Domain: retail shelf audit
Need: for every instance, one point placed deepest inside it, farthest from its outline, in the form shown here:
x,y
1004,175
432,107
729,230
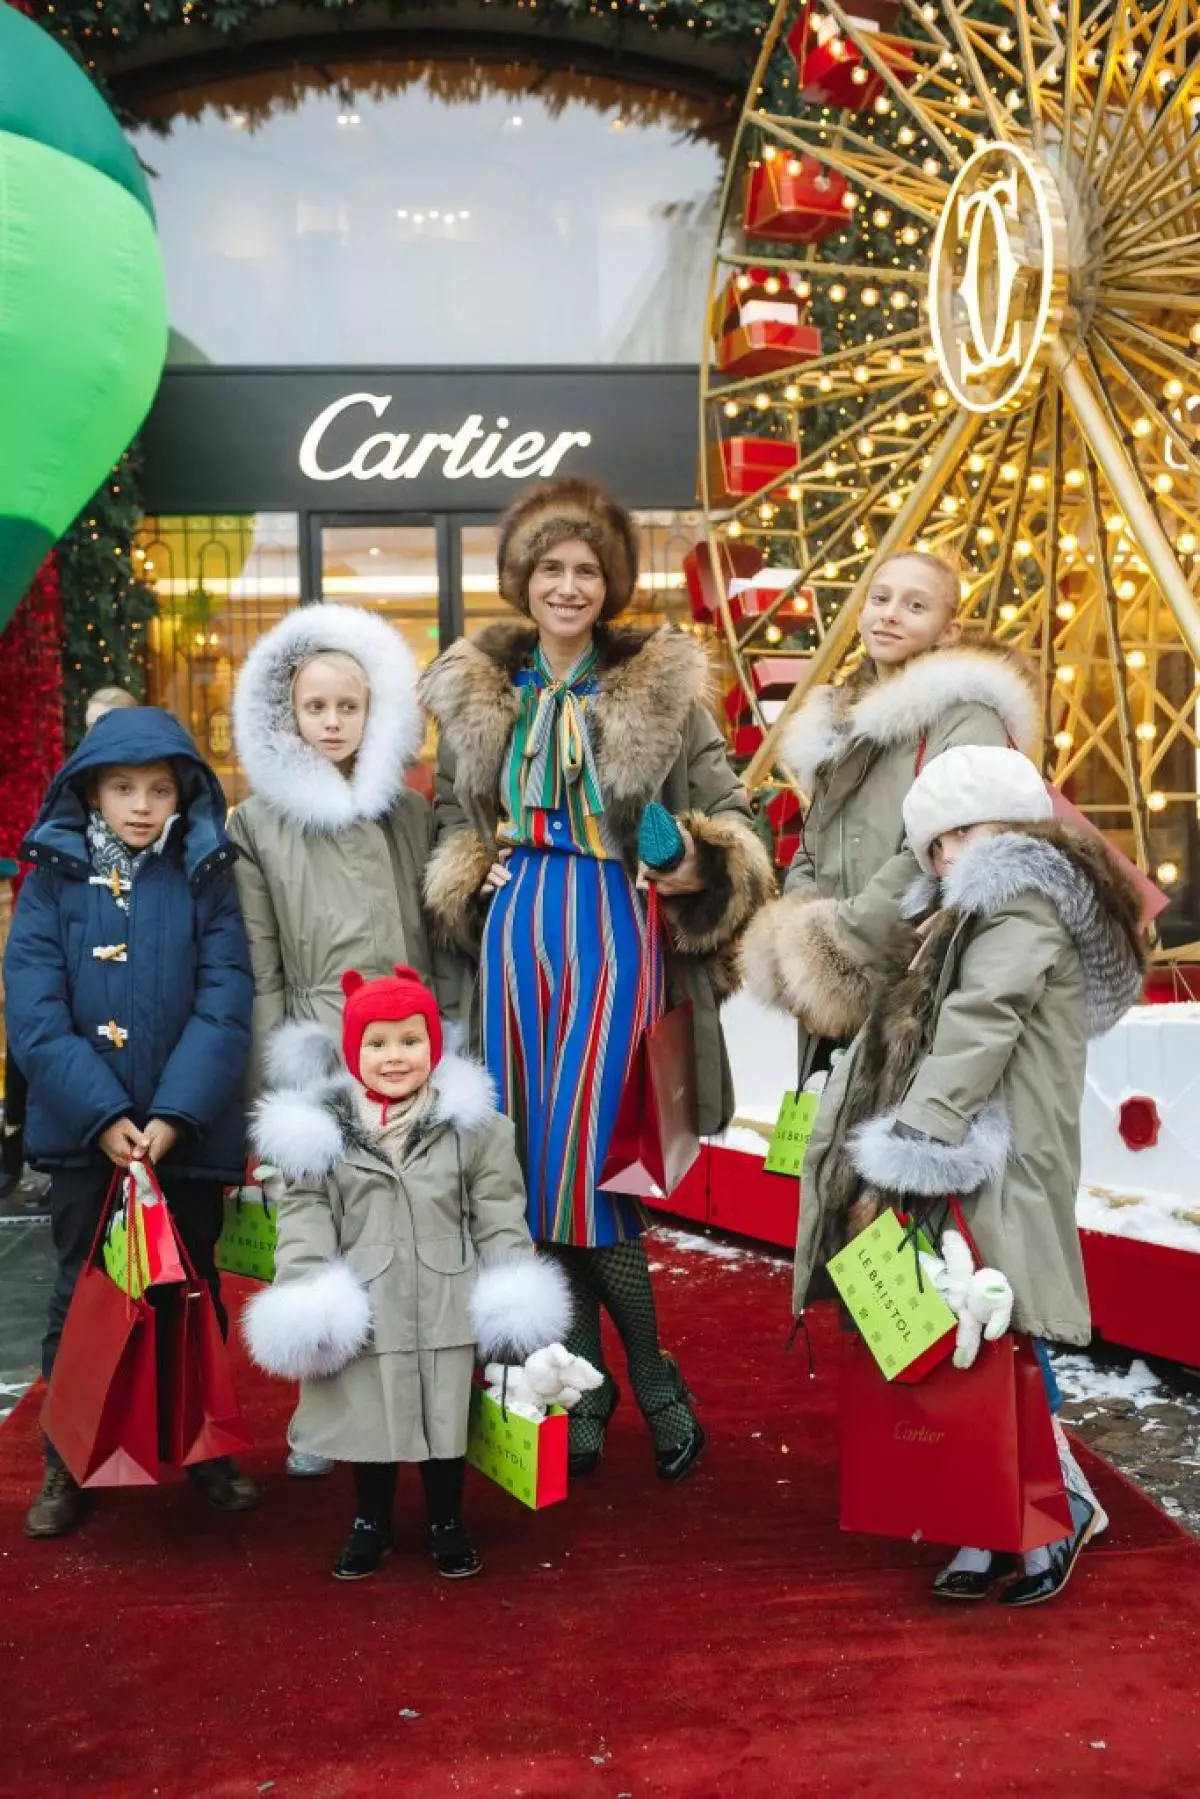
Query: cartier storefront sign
x,y
415,440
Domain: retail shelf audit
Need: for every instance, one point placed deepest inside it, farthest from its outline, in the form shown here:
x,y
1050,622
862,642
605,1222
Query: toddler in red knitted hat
x,y
402,1253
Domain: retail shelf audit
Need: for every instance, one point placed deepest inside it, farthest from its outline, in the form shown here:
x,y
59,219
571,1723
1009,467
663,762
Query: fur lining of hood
x,y
292,778
307,1122
909,704
1096,903
647,683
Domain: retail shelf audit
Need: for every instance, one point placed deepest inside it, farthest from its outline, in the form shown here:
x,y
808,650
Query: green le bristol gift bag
x,y
247,1242
902,1316
528,1460
793,1129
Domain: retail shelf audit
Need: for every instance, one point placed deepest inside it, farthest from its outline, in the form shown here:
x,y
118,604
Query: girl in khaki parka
x,y
856,749
333,844
402,1247
968,1076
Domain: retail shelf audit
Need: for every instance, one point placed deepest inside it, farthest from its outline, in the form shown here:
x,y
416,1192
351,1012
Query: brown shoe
x,y
224,1485
58,1508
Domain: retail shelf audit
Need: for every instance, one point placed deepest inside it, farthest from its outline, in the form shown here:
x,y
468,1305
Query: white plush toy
x,y
980,1298
550,1376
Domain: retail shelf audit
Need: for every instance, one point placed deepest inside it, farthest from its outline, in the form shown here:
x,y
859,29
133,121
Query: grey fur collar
x,y
909,705
293,779
1077,876
647,685
309,1121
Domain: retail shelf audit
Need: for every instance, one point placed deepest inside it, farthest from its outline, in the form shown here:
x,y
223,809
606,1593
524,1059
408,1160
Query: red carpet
x,y
722,1639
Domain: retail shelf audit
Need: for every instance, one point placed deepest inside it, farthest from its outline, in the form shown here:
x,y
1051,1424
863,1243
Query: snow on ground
x,y
1082,1378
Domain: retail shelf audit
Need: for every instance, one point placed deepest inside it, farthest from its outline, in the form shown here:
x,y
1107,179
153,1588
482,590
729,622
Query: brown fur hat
x,y
562,509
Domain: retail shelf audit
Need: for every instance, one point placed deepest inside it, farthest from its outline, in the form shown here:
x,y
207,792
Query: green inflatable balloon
x,y
83,311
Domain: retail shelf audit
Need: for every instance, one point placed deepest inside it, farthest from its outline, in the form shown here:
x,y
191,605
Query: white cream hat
x,y
972,784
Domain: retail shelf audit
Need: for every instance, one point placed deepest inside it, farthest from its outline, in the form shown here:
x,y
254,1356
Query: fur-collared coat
x,y
387,1278
855,750
330,869
980,1048
654,740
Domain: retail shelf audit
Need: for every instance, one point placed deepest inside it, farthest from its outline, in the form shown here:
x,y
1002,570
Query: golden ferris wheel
x,y
955,302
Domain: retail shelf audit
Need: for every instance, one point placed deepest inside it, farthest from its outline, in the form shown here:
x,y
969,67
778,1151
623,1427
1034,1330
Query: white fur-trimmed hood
x,y
307,1122
294,779
1097,907
908,706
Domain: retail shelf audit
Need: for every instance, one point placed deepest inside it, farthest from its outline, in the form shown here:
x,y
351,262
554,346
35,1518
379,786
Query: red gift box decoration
x,y
742,465
738,561
775,676
795,200
832,69
752,596
760,325
782,811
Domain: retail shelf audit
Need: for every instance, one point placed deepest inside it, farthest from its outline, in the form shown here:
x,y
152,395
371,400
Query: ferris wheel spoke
x,y
1135,99
1166,353
1162,179
1157,223
1110,353
1109,72
999,120
899,92
884,173
1112,631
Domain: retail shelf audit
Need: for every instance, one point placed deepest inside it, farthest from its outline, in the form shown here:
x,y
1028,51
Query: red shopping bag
x,y
199,1415
101,1407
964,1456
654,1141
142,1210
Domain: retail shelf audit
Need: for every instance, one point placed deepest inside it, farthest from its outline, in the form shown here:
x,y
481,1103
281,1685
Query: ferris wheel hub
x,y
999,277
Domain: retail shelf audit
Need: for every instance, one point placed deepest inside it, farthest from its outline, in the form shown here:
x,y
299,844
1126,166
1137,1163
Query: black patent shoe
x,y
1035,1589
363,1550
966,1583
677,1459
587,1429
452,1549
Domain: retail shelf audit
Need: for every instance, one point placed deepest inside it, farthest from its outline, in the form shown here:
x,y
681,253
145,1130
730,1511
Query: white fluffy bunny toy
x,y
980,1298
550,1376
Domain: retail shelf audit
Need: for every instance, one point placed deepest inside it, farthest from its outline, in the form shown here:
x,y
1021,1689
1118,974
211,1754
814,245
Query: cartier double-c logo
x,y
997,276
989,278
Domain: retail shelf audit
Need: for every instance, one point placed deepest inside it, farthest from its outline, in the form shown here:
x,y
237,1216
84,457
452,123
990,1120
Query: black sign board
x,y
415,440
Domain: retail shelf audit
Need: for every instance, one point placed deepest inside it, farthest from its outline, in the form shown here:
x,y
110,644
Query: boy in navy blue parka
x,y
128,1001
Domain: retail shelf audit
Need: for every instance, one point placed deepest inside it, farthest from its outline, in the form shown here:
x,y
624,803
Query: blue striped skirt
x,y
563,1008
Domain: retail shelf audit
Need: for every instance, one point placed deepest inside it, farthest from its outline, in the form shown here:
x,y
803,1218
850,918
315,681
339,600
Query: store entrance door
x,y
432,576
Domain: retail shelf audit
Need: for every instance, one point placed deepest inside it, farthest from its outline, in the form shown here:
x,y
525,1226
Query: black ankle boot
x,y
678,1458
452,1549
363,1550
585,1461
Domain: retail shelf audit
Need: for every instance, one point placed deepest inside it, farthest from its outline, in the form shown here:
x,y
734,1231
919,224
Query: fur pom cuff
x,y
738,880
453,877
795,960
929,1168
309,1328
518,1305
297,1134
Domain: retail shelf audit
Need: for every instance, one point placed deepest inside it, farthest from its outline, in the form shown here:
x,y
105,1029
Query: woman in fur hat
x,y
333,844
556,733
856,749
968,1077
